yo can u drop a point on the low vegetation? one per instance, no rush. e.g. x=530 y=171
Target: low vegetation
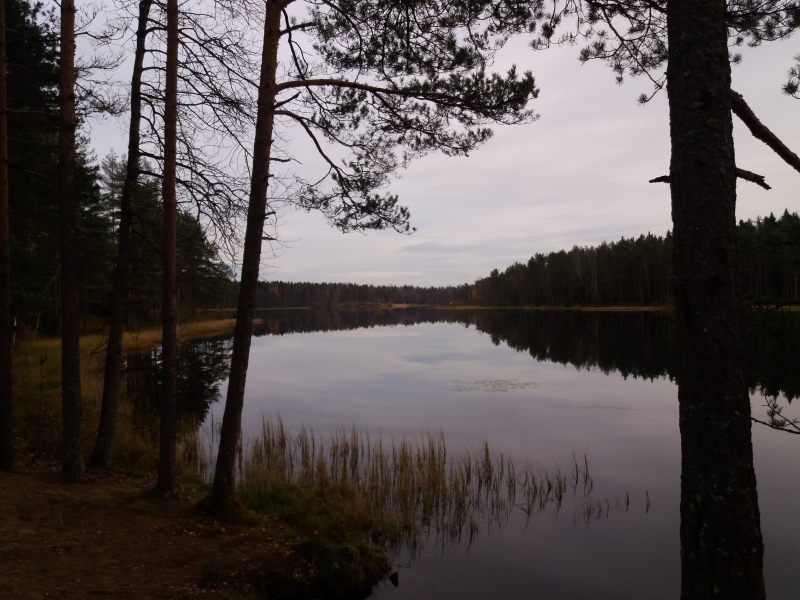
x=37 y=385
x=398 y=492
x=347 y=504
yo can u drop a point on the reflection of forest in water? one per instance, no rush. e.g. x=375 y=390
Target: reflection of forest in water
x=202 y=366
x=636 y=344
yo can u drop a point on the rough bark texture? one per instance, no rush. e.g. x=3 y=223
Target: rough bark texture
x=224 y=479
x=6 y=401
x=104 y=445
x=72 y=457
x=721 y=546
x=169 y=312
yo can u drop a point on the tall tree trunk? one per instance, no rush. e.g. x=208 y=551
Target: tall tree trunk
x=72 y=463
x=224 y=479
x=721 y=546
x=169 y=313
x=6 y=401
x=104 y=445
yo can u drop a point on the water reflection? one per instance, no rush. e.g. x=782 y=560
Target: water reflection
x=386 y=377
x=635 y=344
x=202 y=367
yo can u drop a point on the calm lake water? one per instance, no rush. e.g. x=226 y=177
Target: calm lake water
x=538 y=386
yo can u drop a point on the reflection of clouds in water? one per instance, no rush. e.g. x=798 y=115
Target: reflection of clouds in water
x=494 y=385
x=437 y=358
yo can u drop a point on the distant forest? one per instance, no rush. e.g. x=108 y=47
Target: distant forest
x=628 y=272
x=635 y=271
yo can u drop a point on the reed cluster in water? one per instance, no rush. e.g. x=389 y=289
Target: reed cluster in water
x=403 y=490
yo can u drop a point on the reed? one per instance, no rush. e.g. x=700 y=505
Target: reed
x=591 y=511
x=399 y=491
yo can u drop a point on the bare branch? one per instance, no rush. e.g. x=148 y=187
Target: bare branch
x=740 y=108
x=740 y=173
x=753 y=177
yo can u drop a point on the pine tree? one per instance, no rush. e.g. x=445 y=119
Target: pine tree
x=721 y=545
x=388 y=81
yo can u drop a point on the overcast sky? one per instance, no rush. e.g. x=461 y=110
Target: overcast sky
x=577 y=176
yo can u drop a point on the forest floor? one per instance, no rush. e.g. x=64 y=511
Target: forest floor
x=108 y=536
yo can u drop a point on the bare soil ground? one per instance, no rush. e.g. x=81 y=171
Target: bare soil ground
x=107 y=537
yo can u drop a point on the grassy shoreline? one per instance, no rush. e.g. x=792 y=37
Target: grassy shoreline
x=37 y=391
x=336 y=509
x=302 y=556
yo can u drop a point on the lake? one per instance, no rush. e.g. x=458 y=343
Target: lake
x=538 y=386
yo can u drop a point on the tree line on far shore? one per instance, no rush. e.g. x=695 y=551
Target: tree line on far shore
x=628 y=272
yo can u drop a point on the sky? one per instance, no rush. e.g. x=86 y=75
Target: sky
x=576 y=176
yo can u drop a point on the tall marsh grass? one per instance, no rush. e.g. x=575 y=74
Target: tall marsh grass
x=400 y=491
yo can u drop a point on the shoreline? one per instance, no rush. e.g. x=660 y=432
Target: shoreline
x=350 y=307
x=562 y=308
x=137 y=341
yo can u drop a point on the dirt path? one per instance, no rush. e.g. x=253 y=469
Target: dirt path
x=106 y=537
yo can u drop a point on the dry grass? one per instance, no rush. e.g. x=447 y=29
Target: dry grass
x=37 y=391
x=399 y=491
x=148 y=338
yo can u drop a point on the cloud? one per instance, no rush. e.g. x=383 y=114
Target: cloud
x=437 y=248
x=577 y=176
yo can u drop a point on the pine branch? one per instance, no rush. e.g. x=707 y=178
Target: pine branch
x=761 y=132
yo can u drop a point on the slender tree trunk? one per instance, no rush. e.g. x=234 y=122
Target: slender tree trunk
x=224 y=479
x=104 y=445
x=72 y=465
x=721 y=546
x=6 y=401
x=169 y=312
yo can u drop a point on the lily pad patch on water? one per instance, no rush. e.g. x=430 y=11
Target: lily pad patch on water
x=494 y=385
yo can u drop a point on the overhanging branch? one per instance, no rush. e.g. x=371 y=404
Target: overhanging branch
x=760 y=131
x=795 y=430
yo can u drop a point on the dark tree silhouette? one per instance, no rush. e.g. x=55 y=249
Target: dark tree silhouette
x=6 y=402
x=213 y=66
x=721 y=546
x=72 y=463
x=104 y=443
x=388 y=81
x=169 y=308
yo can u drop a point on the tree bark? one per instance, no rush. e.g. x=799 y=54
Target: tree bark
x=72 y=457
x=104 y=445
x=721 y=546
x=6 y=400
x=224 y=476
x=169 y=312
